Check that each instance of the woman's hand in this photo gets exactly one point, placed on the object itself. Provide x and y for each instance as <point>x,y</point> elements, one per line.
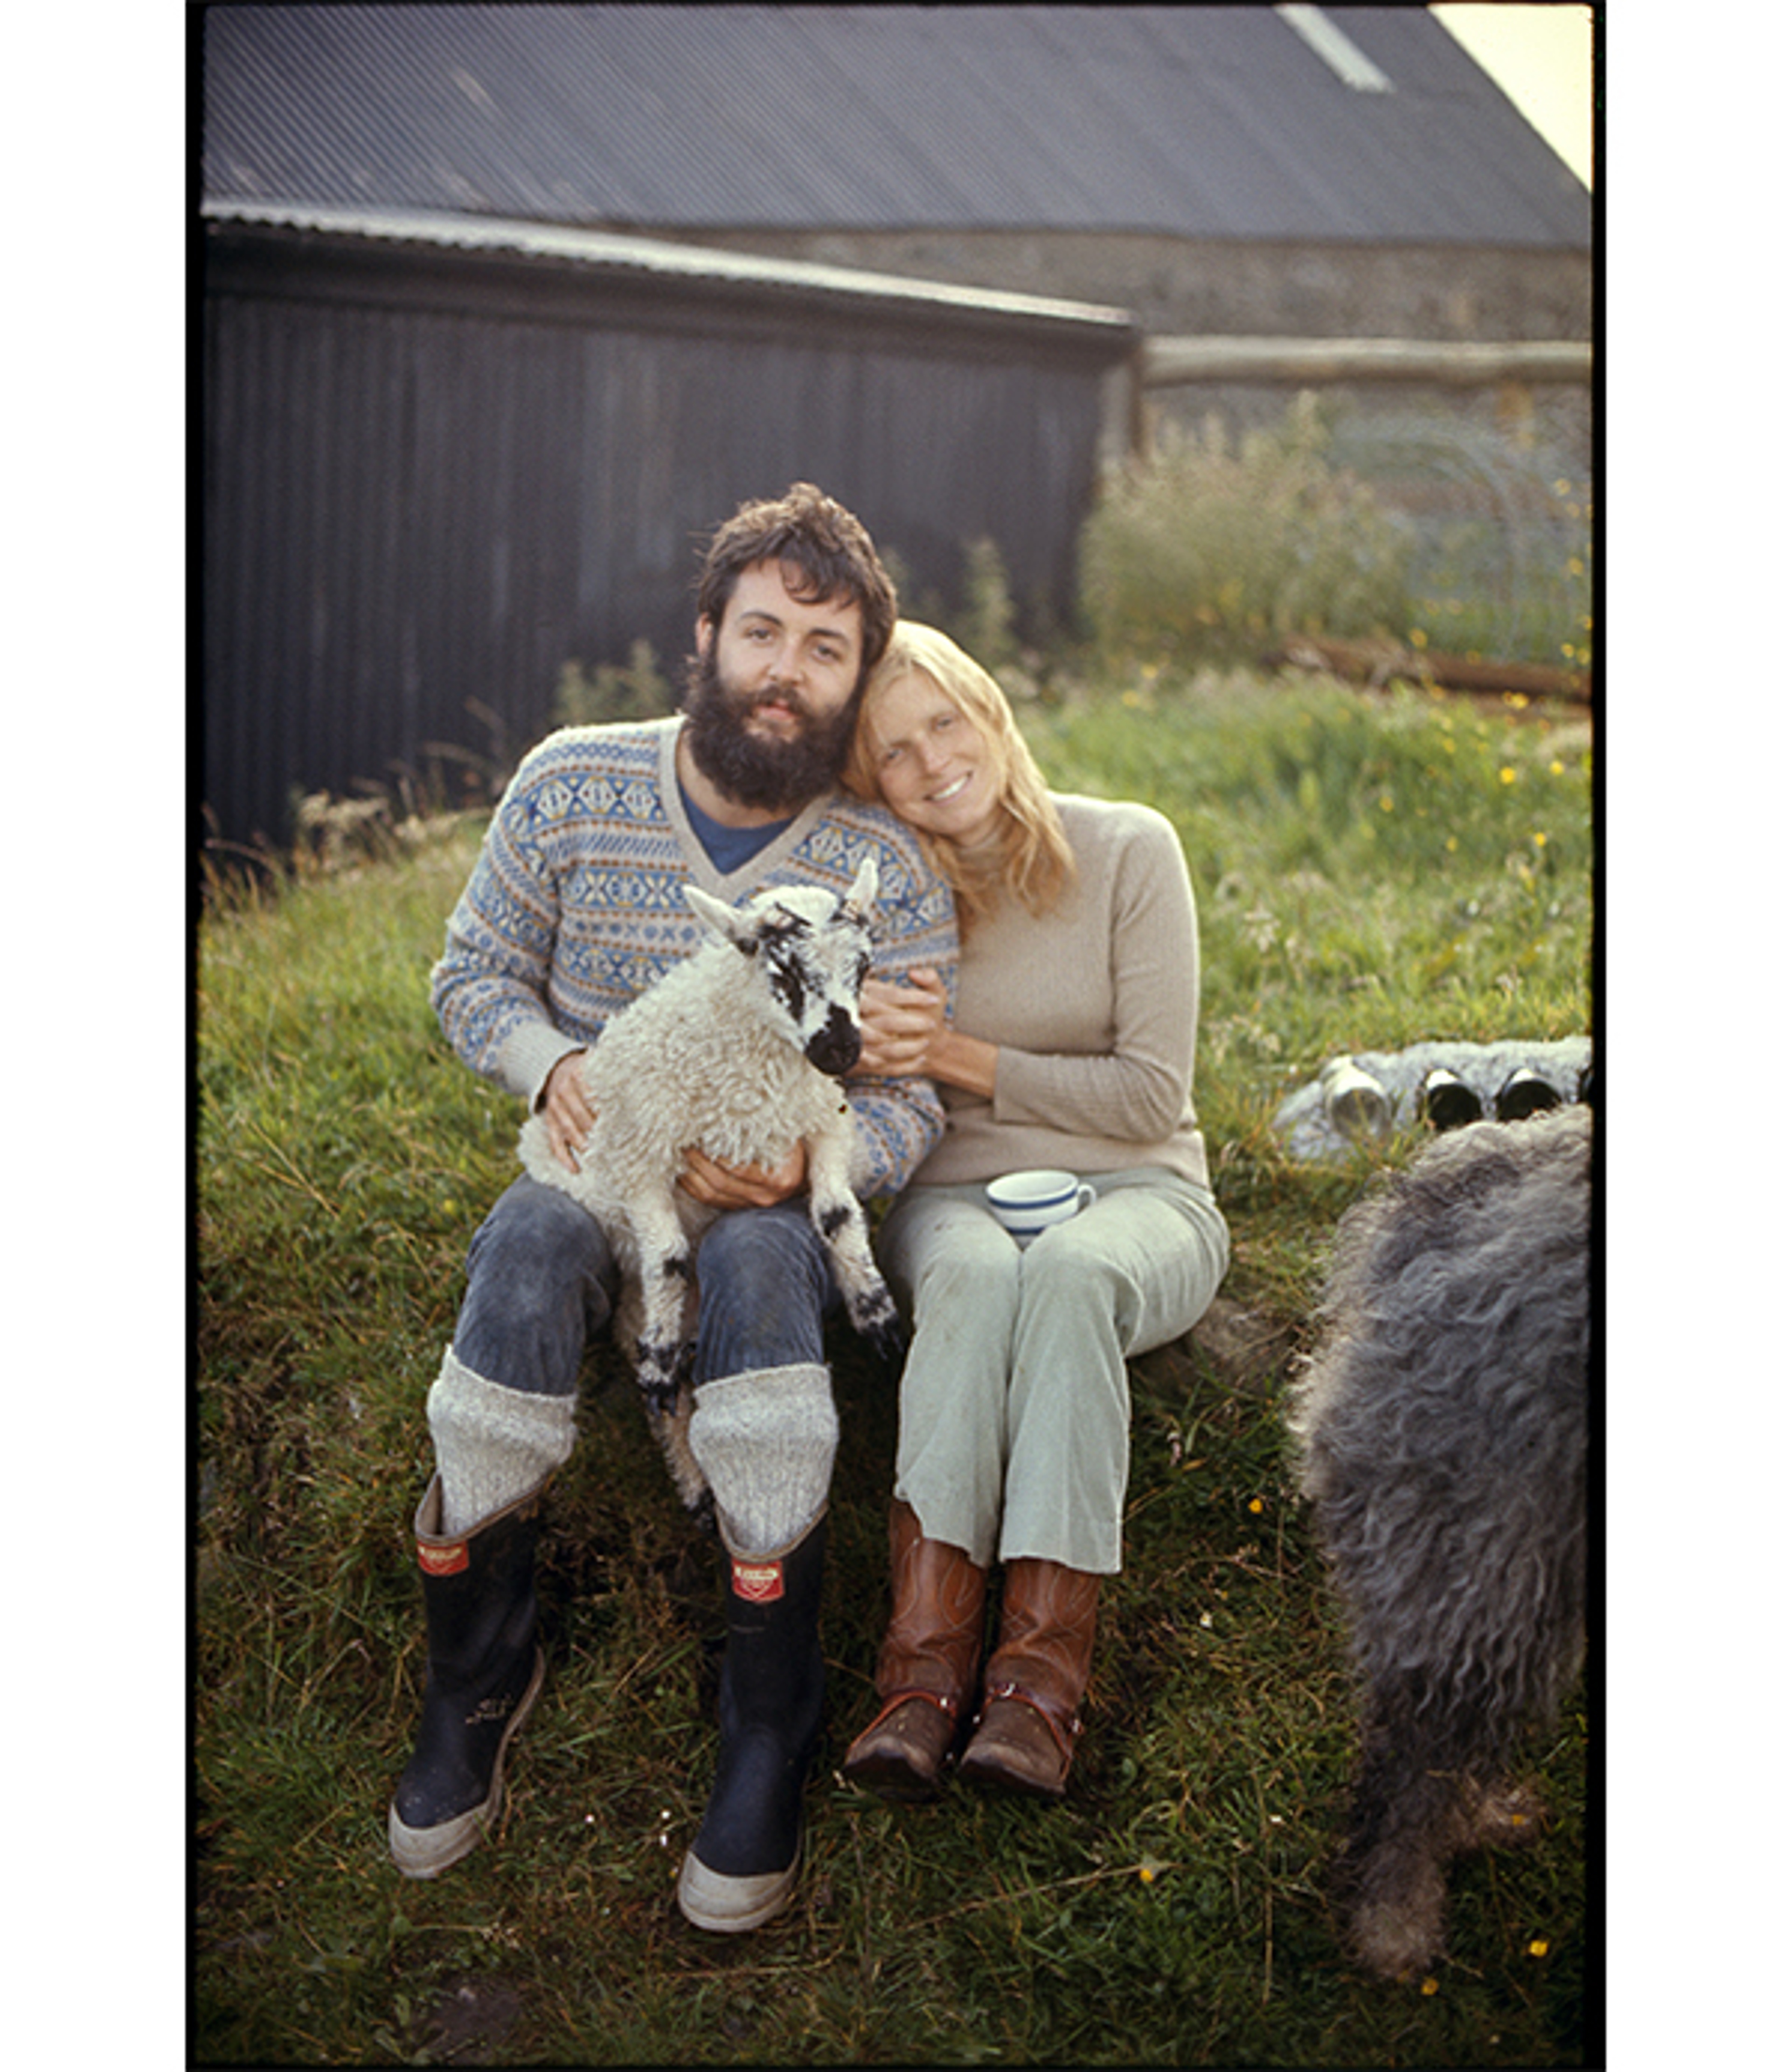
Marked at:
<point>901,1025</point>
<point>718,1186</point>
<point>568,1114</point>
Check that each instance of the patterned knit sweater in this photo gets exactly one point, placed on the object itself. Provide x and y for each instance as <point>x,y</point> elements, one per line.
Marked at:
<point>577,904</point>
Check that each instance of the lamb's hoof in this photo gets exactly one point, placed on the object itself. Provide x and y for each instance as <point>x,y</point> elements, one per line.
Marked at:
<point>658,1371</point>
<point>660,1394</point>
<point>886,1337</point>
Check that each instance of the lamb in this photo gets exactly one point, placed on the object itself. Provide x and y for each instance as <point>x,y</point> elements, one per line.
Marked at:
<point>738,1050</point>
<point>1442,1428</point>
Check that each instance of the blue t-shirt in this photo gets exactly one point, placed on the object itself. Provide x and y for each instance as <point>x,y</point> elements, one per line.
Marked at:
<point>729,848</point>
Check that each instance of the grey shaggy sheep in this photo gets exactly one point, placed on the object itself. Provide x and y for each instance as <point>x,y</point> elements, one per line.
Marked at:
<point>1442,1433</point>
<point>738,1050</point>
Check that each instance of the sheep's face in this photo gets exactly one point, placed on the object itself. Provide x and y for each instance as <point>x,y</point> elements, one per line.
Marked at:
<point>814,953</point>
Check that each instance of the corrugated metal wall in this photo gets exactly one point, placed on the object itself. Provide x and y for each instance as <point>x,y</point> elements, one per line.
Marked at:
<point>410,513</point>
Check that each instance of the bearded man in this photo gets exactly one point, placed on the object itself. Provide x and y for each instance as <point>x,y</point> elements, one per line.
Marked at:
<point>575,907</point>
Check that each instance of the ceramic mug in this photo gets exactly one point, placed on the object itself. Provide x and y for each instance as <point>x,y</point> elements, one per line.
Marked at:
<point>1026,1203</point>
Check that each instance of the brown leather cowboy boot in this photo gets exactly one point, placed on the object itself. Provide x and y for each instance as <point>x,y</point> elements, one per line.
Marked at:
<point>1035,1678</point>
<point>926,1669</point>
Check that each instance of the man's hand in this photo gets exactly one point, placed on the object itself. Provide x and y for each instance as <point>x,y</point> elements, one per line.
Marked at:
<point>719,1186</point>
<point>567,1113</point>
<point>901,1025</point>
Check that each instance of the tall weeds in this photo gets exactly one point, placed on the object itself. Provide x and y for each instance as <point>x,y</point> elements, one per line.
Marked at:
<point>1202,549</point>
<point>1425,528</point>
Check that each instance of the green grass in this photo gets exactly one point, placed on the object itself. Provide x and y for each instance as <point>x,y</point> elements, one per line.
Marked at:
<point>1173,1909</point>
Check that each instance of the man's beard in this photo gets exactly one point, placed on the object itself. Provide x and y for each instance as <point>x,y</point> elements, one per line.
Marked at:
<point>769,775</point>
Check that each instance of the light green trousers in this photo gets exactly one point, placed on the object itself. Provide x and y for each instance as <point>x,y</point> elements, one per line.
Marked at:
<point>1015,1410</point>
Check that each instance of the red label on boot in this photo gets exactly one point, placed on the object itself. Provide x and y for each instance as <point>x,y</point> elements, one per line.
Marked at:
<point>435,1560</point>
<point>758,1582</point>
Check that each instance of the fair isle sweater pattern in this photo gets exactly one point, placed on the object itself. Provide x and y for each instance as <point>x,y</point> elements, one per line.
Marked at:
<point>576,906</point>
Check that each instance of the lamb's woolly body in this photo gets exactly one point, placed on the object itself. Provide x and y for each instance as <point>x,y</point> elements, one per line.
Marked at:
<point>673,1071</point>
<point>1442,1439</point>
<point>710,1056</point>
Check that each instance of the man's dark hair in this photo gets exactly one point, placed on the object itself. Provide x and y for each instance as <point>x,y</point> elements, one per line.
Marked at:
<point>821,539</point>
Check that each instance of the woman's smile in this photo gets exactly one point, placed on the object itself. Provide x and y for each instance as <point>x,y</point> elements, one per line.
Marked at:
<point>934,766</point>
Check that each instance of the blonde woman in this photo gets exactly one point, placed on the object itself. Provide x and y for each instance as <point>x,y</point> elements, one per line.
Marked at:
<point>1072,1045</point>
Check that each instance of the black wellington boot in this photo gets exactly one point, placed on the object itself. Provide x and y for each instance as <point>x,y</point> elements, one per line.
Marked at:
<point>485,1674</point>
<point>742,1868</point>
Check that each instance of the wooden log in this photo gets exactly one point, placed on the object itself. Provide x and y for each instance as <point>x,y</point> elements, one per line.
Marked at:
<point>1534,680</point>
<point>1380,662</point>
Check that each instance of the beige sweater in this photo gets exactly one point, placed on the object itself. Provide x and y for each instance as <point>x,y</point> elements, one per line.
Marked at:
<point>1094,1009</point>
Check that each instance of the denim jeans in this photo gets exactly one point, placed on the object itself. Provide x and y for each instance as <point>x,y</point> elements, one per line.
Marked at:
<point>540,1278</point>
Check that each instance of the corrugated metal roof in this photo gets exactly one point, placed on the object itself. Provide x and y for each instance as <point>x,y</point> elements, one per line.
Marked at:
<point>613,253</point>
<point>1220,122</point>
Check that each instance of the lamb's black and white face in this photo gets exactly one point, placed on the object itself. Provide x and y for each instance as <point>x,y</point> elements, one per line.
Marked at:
<point>814,952</point>
<point>816,974</point>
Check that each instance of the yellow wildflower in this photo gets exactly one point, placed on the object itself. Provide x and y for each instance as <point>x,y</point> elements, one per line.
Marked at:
<point>1537,1947</point>
<point>1508,775</point>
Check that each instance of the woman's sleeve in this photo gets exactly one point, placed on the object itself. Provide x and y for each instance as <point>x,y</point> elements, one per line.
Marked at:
<point>1138,1090</point>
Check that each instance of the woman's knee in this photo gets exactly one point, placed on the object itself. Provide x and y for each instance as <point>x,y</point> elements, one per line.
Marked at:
<point>1151,1266</point>
<point>958,1259</point>
<point>1063,1266</point>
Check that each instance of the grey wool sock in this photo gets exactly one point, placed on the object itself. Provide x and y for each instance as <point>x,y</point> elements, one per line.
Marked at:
<point>764,1441</point>
<point>492,1445</point>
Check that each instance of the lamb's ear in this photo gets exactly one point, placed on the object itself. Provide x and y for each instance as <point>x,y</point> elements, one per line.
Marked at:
<point>723,920</point>
<point>863,895</point>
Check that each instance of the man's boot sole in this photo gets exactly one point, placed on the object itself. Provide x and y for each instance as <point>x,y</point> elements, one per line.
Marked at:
<point>731,1906</point>
<point>425,1852</point>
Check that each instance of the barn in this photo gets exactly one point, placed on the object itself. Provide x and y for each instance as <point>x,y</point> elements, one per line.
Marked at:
<point>445,457</point>
<point>506,306</point>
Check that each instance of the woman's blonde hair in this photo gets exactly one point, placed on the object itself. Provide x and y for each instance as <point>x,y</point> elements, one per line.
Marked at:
<point>1030,858</point>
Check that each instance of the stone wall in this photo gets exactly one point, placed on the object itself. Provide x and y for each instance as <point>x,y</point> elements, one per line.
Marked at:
<point>1211,286</point>
<point>1181,284</point>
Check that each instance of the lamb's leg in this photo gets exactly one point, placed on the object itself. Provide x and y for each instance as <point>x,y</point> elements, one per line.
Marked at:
<point>672,1431</point>
<point>837,1214</point>
<point>662,1351</point>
